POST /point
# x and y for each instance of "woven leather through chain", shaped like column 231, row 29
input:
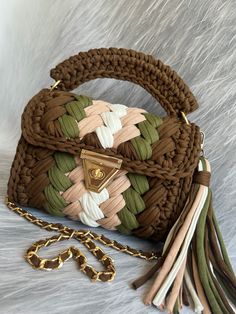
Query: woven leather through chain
column 159, row 154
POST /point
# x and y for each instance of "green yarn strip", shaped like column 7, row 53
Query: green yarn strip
column 65, row 162
column 134, row 201
column 149, row 135
column 128, row 219
column 59, row 182
column 221, row 242
column 154, row 120
column 139, row 182
column 58, row 179
column 142, row 148
column 55, row 200
column 68, row 126
column 75, row 110
column 122, row 229
column 148, row 132
column 53, row 211
column 84, row 101
column 176, row 307
column 216, row 293
column 201, row 258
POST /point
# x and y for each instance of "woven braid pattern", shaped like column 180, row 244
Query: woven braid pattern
column 118, row 204
column 40, row 127
column 163, row 199
column 133, row 203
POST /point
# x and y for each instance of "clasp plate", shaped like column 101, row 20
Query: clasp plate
column 99, row 169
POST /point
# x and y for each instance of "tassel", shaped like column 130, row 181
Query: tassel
column 194, row 262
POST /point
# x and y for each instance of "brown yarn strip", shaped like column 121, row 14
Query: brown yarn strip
column 202, row 177
column 225, row 306
column 185, row 296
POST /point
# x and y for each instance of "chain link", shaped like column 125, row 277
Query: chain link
column 85, row 237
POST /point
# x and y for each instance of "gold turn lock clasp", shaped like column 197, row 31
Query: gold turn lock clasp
column 99, row 169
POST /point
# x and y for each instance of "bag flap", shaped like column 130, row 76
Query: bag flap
column 57, row 120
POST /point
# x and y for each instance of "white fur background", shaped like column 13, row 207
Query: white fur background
column 197, row 38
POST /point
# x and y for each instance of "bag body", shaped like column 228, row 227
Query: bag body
column 147, row 194
column 124, row 169
column 158, row 155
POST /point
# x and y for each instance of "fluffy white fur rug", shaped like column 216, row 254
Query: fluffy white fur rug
column 197, row 38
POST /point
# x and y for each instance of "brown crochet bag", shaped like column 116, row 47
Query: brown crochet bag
column 124, row 169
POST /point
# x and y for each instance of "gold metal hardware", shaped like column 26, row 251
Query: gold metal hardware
column 55, row 85
column 202, row 143
column 97, row 174
column 185, row 117
column 99, row 169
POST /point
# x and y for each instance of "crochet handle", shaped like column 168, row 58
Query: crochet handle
column 158, row 79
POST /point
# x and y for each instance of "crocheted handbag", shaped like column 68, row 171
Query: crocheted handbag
column 124, row 169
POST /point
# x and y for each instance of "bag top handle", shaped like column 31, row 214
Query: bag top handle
column 163, row 83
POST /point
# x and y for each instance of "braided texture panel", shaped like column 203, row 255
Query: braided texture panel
column 45, row 118
column 134, row 202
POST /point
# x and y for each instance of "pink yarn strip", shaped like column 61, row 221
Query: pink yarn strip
column 121, row 173
column 77, row 174
column 176, row 288
column 109, row 222
column 132, row 118
column 97, row 107
column 168, row 263
column 113, row 205
column 125, row 134
column 73, row 210
column 74, row 192
column 89, row 124
column 118, row 186
column 136, row 110
column 78, row 160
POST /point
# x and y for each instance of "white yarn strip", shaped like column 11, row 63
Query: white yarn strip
column 90, row 207
column 87, row 220
column 100, row 197
column 170, row 234
column 198, row 307
column 105, row 136
column 172, row 274
column 112, row 121
column 91, row 211
column 120, row 110
column 112, row 124
column 200, row 166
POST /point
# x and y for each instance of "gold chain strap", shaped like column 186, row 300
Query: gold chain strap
column 83, row 236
